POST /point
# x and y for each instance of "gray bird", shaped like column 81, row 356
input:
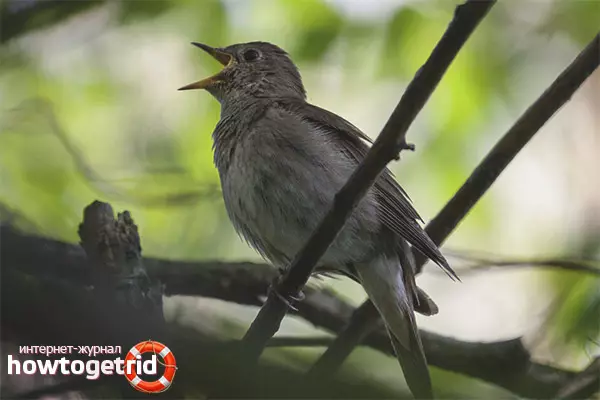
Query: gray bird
column 281, row 161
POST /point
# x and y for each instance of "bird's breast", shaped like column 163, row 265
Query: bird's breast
column 276, row 196
column 271, row 201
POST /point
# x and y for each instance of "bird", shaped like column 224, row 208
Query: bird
column 281, row 160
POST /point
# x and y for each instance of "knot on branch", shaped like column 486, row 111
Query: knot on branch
column 408, row 146
column 403, row 145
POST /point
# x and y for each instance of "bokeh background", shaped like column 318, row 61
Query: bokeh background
column 89, row 110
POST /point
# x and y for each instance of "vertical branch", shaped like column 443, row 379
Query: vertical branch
column 385, row 149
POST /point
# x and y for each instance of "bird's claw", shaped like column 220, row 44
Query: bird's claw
column 288, row 300
column 298, row 297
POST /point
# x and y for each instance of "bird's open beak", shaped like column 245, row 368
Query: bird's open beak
column 219, row 55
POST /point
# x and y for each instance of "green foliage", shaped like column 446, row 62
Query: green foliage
column 580, row 312
column 318, row 25
column 79, row 123
column 575, row 322
column 17, row 18
column 579, row 19
column 132, row 11
column 408, row 40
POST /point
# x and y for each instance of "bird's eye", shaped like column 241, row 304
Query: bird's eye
column 251, row 55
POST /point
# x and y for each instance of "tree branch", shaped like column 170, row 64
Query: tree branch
column 291, row 341
column 474, row 188
column 42, row 311
column 114, row 252
column 582, row 266
column 584, row 384
column 505, row 364
column 385, row 149
column 490, row 168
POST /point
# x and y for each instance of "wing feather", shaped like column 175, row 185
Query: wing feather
column 396, row 211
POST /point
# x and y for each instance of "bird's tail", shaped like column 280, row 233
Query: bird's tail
column 383, row 282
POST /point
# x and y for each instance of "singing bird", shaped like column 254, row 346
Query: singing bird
column 281, row 161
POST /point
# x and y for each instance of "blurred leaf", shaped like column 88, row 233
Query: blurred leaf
column 408, row 40
column 205, row 21
column 19, row 17
column 318, row 26
column 577, row 320
column 579, row 19
column 40, row 183
column 196, row 143
column 461, row 104
column 359, row 41
column 132, row 11
column 577, row 317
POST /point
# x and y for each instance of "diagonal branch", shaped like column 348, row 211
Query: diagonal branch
column 513, row 141
column 473, row 189
column 390, row 142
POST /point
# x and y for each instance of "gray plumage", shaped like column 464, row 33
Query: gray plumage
column 281, row 161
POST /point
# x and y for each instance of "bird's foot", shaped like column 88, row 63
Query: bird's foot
column 288, row 300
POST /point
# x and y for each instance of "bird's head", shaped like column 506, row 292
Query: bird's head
column 256, row 69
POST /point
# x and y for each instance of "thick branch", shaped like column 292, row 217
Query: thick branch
column 63, row 314
column 475, row 187
column 505, row 364
column 385, row 149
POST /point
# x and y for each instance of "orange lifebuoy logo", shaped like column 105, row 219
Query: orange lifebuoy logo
column 158, row 349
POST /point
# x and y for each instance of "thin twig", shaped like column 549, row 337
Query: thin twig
column 584, row 385
column 479, row 182
column 567, row 265
column 290, row 341
column 385, row 149
column 480, row 262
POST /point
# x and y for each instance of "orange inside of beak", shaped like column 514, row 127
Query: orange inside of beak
column 224, row 58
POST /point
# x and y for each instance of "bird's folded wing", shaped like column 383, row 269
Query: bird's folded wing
column 396, row 211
